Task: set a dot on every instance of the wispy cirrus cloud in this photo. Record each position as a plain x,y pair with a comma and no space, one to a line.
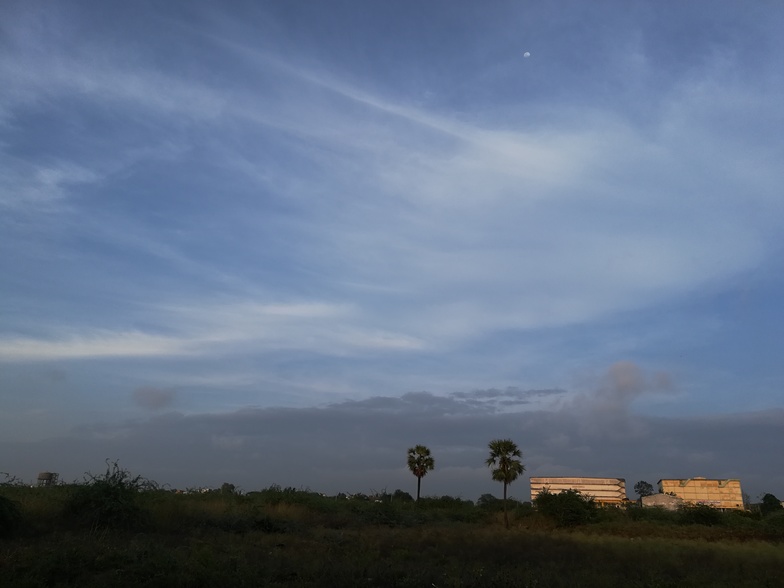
90,345
220,329
266,202
456,236
40,187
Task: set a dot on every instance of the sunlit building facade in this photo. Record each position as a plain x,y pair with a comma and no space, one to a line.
604,491
723,494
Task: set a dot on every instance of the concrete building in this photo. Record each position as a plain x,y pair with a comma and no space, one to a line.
723,494
604,491
665,501
48,478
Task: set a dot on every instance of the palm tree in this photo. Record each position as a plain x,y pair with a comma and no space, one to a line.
420,462
506,468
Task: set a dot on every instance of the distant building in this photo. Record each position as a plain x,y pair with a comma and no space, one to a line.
665,501
604,491
47,478
723,494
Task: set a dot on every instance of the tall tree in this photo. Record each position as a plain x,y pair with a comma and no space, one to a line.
770,504
420,462
643,488
506,468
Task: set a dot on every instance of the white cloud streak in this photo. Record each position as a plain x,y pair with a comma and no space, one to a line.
90,345
390,228
463,196
221,329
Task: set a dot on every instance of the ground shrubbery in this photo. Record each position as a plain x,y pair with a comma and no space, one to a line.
287,536
774,524
700,514
110,500
566,509
770,505
10,516
653,514
10,510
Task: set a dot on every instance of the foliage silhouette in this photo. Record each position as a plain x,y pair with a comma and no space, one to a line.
569,508
10,516
505,467
402,496
700,514
643,488
109,500
420,462
770,504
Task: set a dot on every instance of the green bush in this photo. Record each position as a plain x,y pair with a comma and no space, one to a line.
700,514
401,496
444,503
741,519
774,524
490,503
567,509
611,515
652,513
10,516
277,495
770,504
109,500
523,509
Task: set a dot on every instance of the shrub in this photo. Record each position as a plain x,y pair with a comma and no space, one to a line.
109,500
774,524
9,480
652,513
490,503
401,496
524,509
567,509
228,489
770,504
10,516
700,514
444,502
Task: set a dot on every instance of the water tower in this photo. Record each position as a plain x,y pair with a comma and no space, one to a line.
47,478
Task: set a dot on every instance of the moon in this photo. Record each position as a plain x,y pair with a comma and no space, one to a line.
527,54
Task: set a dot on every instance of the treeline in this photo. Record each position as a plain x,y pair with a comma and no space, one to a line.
118,499
117,529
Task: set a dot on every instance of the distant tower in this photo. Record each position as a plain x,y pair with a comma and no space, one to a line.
47,478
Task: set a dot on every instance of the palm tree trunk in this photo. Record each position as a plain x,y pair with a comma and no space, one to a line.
506,515
419,484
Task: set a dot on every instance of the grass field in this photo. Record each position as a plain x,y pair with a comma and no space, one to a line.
295,538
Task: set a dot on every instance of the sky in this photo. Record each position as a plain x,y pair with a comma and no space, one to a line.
281,242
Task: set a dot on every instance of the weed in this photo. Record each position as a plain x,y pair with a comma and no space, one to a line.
700,514
110,500
567,509
296,537
10,516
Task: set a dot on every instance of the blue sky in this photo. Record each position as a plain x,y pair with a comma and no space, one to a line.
355,212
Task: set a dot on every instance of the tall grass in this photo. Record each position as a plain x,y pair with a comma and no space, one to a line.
287,537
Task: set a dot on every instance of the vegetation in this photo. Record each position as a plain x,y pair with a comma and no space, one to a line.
10,516
643,488
420,462
770,504
566,509
296,537
109,500
505,467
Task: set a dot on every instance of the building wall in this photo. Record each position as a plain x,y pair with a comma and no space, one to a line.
603,490
664,501
724,494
